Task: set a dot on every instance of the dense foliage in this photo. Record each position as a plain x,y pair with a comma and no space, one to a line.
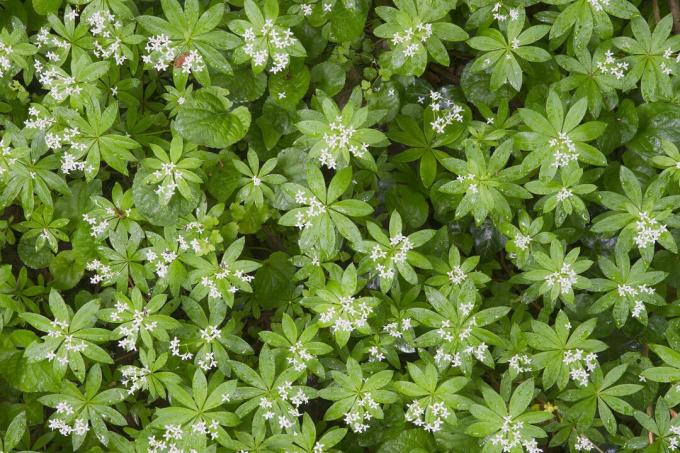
339,225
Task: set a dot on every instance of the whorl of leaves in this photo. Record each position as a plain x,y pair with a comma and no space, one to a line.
339,226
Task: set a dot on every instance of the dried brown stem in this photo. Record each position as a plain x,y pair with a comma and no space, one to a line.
674,5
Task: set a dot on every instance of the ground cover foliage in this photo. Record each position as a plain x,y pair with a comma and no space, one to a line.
339,225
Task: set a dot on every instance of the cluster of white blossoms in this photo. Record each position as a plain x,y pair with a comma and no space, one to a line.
175,350
60,86
5,62
103,26
667,69
471,181
103,272
224,273
168,444
305,218
134,378
460,336
564,194
357,419
299,356
522,241
430,418
565,278
167,176
509,438
674,440
648,230
161,261
286,420
375,354
59,329
133,321
634,292
45,40
520,363
161,54
339,140
36,121
500,16
347,315
7,159
206,360
386,258
611,66
456,275
411,40
564,150
80,427
580,364
273,37
397,330
584,444
445,111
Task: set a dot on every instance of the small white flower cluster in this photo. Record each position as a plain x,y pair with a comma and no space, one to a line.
337,141
44,39
103,26
393,329
430,418
172,434
60,86
598,5
209,429
168,177
513,13
161,261
7,159
522,241
222,274
160,52
633,292
410,41
668,55
70,344
102,271
564,150
174,350
299,356
584,444
375,355
276,37
649,230
79,428
565,278
576,359
674,440
134,378
360,414
35,121
305,219
131,331
510,437
445,111
5,63
206,361
456,275
195,238
471,181
296,400
611,66
520,363
351,315
400,246
564,194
